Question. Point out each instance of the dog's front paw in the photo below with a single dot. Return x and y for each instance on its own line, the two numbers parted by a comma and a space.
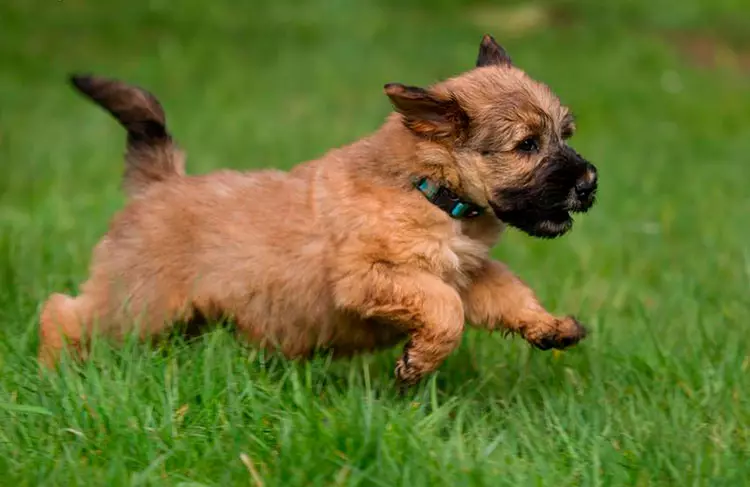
565, 333
407, 371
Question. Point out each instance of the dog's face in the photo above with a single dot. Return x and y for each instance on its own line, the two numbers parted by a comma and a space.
506, 136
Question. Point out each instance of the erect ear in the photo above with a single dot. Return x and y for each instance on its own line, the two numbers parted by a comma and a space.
426, 113
492, 53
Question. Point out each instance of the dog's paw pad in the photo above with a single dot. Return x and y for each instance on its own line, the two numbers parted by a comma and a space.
544, 343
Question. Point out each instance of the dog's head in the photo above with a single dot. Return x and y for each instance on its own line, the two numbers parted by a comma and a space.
505, 137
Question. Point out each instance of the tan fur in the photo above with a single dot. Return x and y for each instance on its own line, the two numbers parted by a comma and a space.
340, 253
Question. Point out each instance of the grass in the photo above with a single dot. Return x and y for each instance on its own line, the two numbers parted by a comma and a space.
658, 395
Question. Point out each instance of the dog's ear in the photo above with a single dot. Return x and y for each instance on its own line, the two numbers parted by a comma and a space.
491, 53
428, 114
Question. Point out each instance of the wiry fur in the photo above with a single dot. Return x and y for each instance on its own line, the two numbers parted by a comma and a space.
341, 252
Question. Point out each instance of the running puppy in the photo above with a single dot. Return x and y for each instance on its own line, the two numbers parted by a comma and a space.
383, 241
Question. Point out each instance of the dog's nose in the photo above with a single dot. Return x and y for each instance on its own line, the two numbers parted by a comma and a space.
587, 183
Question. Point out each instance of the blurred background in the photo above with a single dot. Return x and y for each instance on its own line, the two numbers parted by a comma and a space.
661, 90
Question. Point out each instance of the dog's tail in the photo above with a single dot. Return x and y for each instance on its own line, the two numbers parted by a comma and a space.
151, 154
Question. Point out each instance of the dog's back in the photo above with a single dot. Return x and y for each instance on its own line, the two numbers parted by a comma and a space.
246, 245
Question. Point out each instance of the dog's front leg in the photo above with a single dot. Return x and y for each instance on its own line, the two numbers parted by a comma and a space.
497, 299
429, 311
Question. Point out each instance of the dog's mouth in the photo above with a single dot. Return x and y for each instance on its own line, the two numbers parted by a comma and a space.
541, 224
544, 222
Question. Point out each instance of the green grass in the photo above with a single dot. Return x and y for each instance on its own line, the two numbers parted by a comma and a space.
659, 393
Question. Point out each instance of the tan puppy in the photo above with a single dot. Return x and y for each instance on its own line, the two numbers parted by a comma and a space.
377, 242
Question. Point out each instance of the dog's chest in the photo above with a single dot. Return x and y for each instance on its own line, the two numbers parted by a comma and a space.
457, 253
457, 258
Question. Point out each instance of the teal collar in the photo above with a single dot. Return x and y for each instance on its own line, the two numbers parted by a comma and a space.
447, 200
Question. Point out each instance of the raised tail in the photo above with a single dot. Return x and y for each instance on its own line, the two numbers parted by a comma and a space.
151, 155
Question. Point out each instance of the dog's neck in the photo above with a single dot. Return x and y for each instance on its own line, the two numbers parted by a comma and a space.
447, 200
397, 157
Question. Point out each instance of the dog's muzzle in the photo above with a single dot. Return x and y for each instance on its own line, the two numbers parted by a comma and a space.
564, 183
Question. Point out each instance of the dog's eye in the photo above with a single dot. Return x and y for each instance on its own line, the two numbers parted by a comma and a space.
528, 145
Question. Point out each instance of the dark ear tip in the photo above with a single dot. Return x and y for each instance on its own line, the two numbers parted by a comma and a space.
492, 53
83, 83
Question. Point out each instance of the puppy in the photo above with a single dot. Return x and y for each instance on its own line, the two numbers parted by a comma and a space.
383, 241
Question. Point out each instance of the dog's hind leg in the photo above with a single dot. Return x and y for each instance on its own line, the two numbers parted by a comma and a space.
64, 321
499, 300
427, 309
102, 307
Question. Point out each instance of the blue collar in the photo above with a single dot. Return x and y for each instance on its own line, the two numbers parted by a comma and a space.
447, 200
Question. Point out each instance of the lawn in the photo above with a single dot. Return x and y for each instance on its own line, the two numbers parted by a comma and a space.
659, 270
